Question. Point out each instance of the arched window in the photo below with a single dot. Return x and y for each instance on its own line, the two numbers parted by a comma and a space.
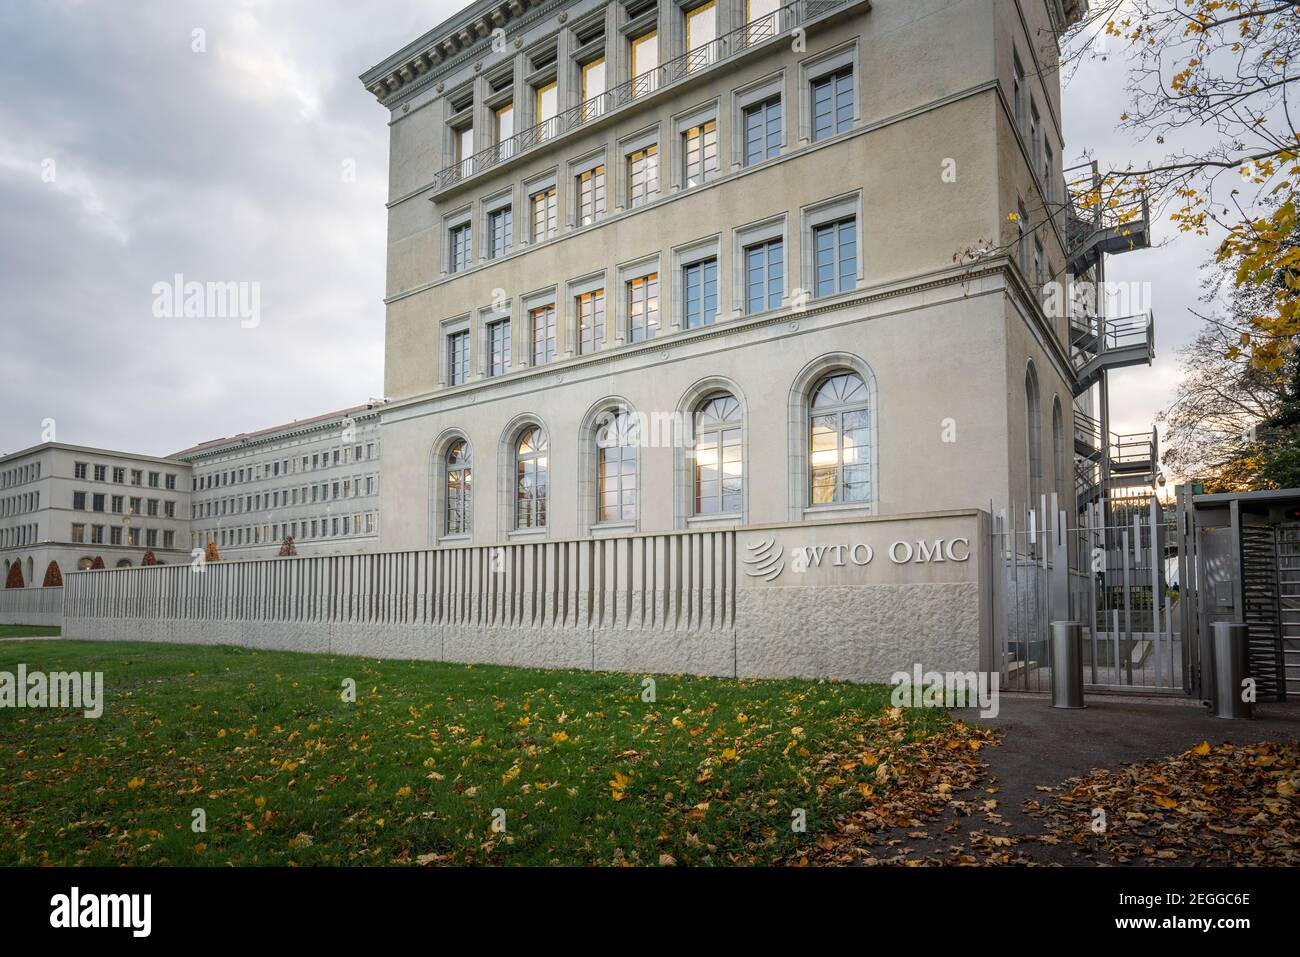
839, 440
617, 436
719, 469
1058, 453
1034, 436
531, 482
459, 488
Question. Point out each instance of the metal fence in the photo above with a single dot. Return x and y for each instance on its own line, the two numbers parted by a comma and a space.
1115, 575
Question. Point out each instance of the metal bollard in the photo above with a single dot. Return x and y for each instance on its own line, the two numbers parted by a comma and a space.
1067, 665
1231, 665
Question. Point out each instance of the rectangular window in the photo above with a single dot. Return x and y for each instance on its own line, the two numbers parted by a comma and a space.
701, 31
1049, 165
101, 471
114, 535
764, 275
591, 321
593, 88
97, 534
544, 214
645, 60
464, 144
1022, 239
115, 504
759, 14
762, 130
137, 476
78, 533
461, 247
169, 540
832, 104
547, 103
1034, 124
153, 479
119, 475
151, 537
591, 195
835, 248
499, 347
643, 307
1018, 91
700, 293
500, 229
97, 503
79, 470
505, 129
457, 358
700, 149
542, 321
643, 175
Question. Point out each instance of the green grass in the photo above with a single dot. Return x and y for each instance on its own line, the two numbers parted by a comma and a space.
288, 772
29, 631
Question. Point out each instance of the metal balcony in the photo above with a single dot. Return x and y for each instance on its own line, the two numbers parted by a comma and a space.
1101, 344
1087, 436
725, 49
1134, 460
1097, 224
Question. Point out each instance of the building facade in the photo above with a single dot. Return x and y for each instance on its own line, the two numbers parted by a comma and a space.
70, 504
656, 266
314, 480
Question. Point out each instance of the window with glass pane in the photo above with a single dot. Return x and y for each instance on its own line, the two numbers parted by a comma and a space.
505, 120
835, 248
760, 18
700, 149
461, 247
643, 175
464, 143
762, 130
547, 103
460, 474
832, 104
645, 59
643, 307
499, 347
764, 275
458, 358
700, 293
593, 88
531, 483
591, 195
718, 465
544, 214
543, 327
500, 228
701, 31
591, 321
839, 444
617, 437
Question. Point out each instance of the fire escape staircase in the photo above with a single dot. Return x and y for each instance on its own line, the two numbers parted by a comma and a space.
1133, 460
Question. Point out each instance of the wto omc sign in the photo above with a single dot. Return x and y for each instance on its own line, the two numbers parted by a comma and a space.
766, 558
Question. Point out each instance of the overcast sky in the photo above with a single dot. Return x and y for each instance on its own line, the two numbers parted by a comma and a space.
127, 158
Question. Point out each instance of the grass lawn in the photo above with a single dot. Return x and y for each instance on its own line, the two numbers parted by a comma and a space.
29, 631
287, 772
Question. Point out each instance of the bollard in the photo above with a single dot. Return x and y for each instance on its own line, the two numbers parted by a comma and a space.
1067, 664
1231, 665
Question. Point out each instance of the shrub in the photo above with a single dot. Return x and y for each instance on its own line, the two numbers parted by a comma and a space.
15, 577
287, 549
149, 558
53, 577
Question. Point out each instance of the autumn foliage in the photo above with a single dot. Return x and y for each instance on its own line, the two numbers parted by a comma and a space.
53, 577
15, 577
210, 554
149, 558
287, 549
97, 565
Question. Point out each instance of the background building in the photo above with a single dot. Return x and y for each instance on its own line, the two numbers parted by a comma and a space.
661, 265
70, 504
315, 480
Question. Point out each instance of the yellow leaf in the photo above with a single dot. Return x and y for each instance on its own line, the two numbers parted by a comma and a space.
135, 783
1202, 749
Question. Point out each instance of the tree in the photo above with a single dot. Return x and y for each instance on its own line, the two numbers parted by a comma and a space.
287, 548
149, 558
97, 565
53, 577
210, 554
1223, 69
15, 577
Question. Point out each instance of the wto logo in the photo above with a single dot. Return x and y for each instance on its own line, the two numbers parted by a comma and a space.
765, 561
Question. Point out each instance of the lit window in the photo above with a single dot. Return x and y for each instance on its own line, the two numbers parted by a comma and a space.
718, 465
839, 440
542, 320
643, 175
645, 60
591, 195
643, 307
701, 31
531, 479
700, 149
591, 321
544, 214
460, 476
499, 347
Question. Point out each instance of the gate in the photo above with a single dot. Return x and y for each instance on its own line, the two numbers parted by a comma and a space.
1119, 579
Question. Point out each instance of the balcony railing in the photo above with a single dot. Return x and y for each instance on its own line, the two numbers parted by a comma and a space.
726, 47
1102, 217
